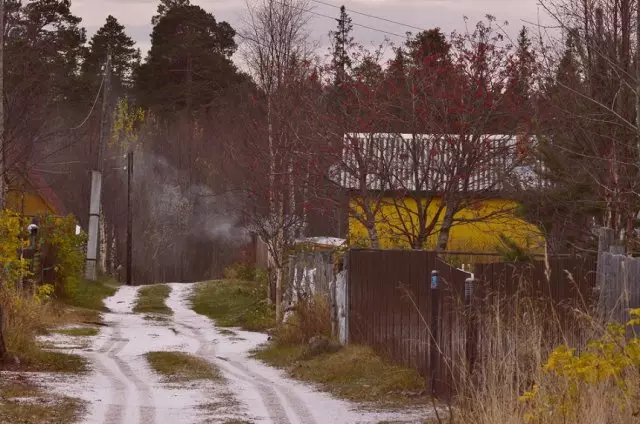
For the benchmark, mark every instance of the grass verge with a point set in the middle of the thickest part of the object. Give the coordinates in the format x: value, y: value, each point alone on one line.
x: 182, y: 367
x: 77, y: 332
x: 40, y: 360
x: 25, y: 318
x: 90, y: 295
x: 233, y: 303
x: 355, y: 373
x: 25, y: 403
x: 151, y: 299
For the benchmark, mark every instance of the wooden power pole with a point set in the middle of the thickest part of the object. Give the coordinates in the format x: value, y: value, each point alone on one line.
x: 3, y: 176
x: 95, y: 205
x: 129, y: 218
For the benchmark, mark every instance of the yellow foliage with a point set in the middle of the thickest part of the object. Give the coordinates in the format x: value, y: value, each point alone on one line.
x: 611, y: 362
x: 12, y: 268
x: 126, y: 122
x: 490, y: 218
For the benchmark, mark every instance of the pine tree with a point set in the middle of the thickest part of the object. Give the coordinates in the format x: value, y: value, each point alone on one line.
x: 165, y: 6
x: 342, y: 42
x: 125, y: 58
x: 428, y: 48
x: 189, y: 63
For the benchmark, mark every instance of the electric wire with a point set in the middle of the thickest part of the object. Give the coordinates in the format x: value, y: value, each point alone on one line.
x: 369, y: 15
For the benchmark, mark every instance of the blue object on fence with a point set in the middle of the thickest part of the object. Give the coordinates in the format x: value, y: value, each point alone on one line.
x: 435, y: 279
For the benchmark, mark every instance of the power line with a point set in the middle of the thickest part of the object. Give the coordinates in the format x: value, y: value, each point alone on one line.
x: 95, y: 101
x: 92, y: 107
x: 370, y: 16
x: 333, y: 19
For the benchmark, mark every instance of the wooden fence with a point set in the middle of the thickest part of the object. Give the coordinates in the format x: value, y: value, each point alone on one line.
x: 393, y: 307
x: 618, y: 280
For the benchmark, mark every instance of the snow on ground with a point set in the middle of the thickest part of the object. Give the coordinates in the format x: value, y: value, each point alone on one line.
x: 270, y: 396
x: 122, y: 389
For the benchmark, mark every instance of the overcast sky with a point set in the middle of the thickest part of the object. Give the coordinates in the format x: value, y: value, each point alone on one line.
x: 446, y: 14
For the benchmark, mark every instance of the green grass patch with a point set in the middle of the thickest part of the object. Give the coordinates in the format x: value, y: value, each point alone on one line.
x: 91, y: 294
x: 355, y: 373
x: 77, y: 332
x: 182, y: 367
x: 52, y: 361
x: 25, y: 403
x: 151, y: 299
x: 233, y: 303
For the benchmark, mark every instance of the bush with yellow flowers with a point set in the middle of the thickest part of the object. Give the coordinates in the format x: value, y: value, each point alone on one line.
x: 606, y: 371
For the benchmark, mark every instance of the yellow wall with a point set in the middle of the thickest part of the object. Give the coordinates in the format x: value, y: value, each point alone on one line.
x: 33, y: 203
x: 483, y: 236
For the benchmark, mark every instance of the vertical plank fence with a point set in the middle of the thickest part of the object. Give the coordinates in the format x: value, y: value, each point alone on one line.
x: 392, y: 307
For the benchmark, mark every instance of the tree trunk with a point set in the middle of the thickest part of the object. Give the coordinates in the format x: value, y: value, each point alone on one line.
x: 445, y: 230
x: 373, y: 237
x: 3, y: 347
x: 280, y: 250
x: 279, y: 281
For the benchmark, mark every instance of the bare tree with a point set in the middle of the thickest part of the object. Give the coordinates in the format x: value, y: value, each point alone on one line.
x: 593, y: 106
x: 275, y: 43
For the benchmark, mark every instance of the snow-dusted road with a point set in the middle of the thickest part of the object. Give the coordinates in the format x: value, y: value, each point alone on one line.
x: 123, y: 390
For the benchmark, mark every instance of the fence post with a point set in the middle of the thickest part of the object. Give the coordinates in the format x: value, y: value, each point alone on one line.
x: 472, y: 330
x: 347, y: 298
x: 605, y: 241
x: 434, y: 354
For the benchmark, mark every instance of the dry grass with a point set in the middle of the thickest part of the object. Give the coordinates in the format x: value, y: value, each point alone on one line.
x: 514, y: 350
x: 178, y: 367
x: 355, y: 373
x: 311, y: 318
x: 25, y: 403
x: 27, y: 317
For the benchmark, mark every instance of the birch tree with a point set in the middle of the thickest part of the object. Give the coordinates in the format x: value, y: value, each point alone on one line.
x: 275, y: 43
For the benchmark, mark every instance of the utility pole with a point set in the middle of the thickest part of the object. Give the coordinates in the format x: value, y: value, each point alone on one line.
x: 95, y: 206
x: 129, y: 218
x: 3, y: 188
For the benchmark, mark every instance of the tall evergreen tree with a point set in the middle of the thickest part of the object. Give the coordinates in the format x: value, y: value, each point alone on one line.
x: 428, y: 48
x: 342, y: 42
x: 189, y: 63
x: 111, y: 38
x: 165, y: 6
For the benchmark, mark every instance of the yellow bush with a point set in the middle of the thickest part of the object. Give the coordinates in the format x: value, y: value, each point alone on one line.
x: 610, y: 364
x: 12, y: 268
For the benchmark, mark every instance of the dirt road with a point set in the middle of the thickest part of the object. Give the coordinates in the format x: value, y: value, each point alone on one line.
x: 122, y: 389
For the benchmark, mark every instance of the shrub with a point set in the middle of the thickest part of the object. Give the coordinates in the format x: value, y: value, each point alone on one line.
x: 311, y: 318
x: 12, y: 268
x: 240, y: 271
x: 64, y: 251
x: 608, y: 367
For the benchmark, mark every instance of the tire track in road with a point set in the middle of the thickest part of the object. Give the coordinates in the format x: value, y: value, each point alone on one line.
x: 115, y: 413
x: 269, y: 391
x: 147, y: 412
x: 109, y: 354
x: 270, y: 398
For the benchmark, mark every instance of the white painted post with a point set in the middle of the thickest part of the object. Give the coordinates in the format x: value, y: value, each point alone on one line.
x: 94, y: 224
